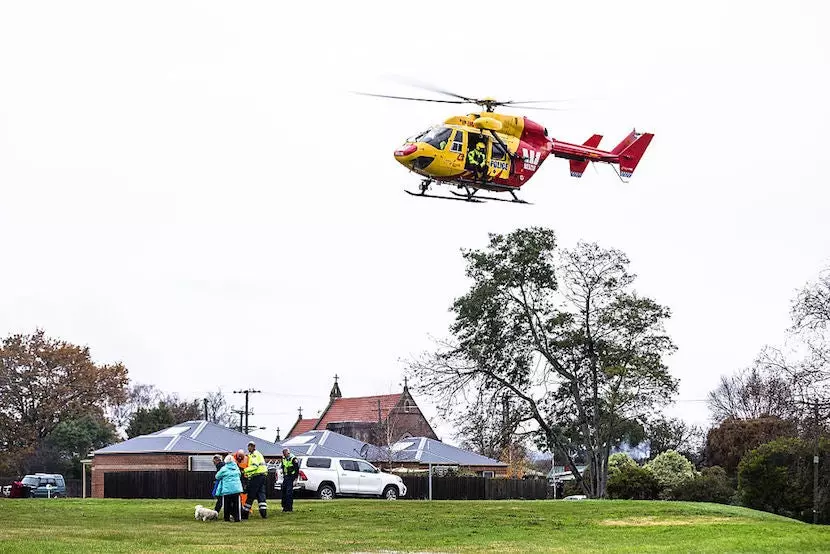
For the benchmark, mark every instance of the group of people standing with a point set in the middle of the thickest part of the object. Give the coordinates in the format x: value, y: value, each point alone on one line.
x: 240, y: 479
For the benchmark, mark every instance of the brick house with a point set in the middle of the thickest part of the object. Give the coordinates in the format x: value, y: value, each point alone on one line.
x: 189, y: 445
x: 382, y: 419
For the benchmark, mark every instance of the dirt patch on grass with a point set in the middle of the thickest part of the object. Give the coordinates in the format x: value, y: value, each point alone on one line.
x: 654, y: 521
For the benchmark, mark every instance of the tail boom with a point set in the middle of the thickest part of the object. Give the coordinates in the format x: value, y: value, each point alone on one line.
x: 627, y: 154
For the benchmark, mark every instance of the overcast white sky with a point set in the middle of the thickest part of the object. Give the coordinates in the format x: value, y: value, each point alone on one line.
x: 189, y: 187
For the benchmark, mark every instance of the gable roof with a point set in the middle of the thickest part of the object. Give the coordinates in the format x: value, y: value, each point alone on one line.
x: 421, y: 450
x: 301, y: 426
x: 325, y: 443
x: 191, y: 437
x: 428, y: 451
x: 362, y: 409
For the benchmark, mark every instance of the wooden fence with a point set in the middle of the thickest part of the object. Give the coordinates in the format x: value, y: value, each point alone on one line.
x: 179, y: 483
x: 475, y: 488
x: 168, y: 483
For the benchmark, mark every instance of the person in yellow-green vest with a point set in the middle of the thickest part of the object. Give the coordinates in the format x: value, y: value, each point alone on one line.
x: 477, y: 160
x: 290, y: 470
x: 256, y: 472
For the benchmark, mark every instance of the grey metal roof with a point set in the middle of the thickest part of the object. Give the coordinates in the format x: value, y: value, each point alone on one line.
x: 416, y: 449
x: 192, y: 437
x: 325, y: 443
x: 424, y: 450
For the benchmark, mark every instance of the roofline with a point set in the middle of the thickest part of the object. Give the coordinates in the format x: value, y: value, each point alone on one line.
x: 299, y: 419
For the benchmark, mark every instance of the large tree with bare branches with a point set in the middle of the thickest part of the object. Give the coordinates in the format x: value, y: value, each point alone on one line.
x: 564, y: 335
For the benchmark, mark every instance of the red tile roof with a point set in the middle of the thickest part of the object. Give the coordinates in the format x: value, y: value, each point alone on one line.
x: 364, y: 408
x: 301, y: 427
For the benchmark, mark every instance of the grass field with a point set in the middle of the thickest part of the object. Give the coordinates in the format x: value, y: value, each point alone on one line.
x: 407, y: 526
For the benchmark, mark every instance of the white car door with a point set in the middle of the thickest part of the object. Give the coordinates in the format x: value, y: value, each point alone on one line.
x: 371, y: 481
x: 349, y: 476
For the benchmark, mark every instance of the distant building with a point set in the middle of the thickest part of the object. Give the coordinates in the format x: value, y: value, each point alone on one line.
x: 413, y: 454
x: 380, y: 420
x: 189, y: 445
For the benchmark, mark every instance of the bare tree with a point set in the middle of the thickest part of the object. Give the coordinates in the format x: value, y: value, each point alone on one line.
x: 753, y: 393
x: 811, y: 325
x: 219, y: 411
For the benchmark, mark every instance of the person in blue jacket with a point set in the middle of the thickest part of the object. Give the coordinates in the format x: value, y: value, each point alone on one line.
x: 229, y: 488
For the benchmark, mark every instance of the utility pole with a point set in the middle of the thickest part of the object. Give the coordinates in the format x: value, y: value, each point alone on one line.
x: 246, y: 392
x: 241, y: 413
x: 205, y: 402
x: 816, y: 406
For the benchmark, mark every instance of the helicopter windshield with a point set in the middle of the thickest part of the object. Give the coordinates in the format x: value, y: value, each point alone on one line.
x: 435, y: 136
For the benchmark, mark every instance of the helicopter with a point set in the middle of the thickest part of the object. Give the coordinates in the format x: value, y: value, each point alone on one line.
x: 489, y: 151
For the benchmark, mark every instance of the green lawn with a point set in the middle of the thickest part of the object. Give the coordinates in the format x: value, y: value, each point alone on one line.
x: 134, y: 526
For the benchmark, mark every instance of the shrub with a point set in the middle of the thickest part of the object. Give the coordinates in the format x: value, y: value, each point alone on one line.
x: 632, y: 482
x: 671, y: 468
x: 778, y: 477
x: 619, y: 461
x: 710, y: 485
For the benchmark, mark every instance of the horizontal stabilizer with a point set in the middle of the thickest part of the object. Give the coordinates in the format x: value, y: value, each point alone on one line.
x: 592, y: 142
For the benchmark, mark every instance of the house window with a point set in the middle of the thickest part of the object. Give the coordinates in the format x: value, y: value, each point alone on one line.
x: 406, y: 405
x: 488, y: 474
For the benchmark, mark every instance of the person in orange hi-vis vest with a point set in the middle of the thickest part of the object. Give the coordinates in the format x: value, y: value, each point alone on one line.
x: 242, y: 461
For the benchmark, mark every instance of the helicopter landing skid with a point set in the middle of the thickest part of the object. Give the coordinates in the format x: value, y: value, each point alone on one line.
x: 462, y: 197
x: 514, y: 201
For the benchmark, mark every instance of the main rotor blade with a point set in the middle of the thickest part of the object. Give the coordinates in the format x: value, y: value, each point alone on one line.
x: 432, y: 88
x: 539, y: 108
x: 411, y: 98
x: 522, y: 102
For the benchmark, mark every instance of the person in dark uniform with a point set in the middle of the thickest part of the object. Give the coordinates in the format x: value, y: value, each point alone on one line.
x: 218, y: 463
x: 290, y: 471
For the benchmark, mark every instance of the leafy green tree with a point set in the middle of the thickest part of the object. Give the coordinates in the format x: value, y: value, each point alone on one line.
x: 44, y: 382
x: 72, y: 440
x: 727, y: 443
x: 778, y: 477
x: 666, y: 434
x: 150, y: 420
x: 620, y: 461
x: 712, y: 484
x: 628, y: 481
x: 562, y: 332
x: 671, y: 468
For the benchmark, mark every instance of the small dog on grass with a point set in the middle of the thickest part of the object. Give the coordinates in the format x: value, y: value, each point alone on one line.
x: 206, y: 514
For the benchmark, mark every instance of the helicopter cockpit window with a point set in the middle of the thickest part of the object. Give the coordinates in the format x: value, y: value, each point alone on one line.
x: 438, y: 137
x: 498, y: 152
x: 458, y: 141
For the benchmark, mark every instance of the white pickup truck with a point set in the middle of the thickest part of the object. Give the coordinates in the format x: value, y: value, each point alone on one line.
x: 329, y: 477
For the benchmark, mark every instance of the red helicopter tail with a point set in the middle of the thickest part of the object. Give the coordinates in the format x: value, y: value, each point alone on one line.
x: 578, y: 166
x: 626, y: 142
x: 631, y: 155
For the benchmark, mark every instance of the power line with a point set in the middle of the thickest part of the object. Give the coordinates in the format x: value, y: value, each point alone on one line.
x: 247, y: 412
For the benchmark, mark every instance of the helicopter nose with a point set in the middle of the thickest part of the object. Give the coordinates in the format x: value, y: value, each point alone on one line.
x: 405, y: 151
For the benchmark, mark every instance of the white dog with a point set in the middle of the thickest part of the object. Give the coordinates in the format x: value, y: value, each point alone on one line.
x: 205, y: 513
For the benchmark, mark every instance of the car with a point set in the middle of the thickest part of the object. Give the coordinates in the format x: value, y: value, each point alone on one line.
x: 328, y: 477
x: 44, y: 485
